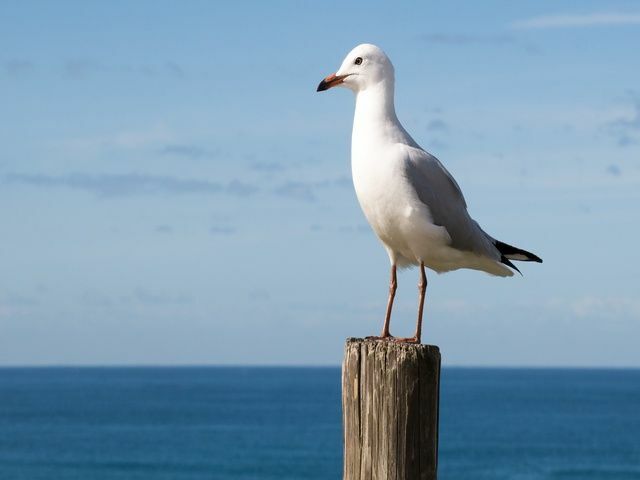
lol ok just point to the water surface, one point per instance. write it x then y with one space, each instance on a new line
284 423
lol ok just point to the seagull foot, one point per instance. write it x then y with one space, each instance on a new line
406 340
388 338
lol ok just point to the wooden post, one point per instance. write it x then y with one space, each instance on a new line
390 394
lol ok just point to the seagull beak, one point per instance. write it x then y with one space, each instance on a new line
331 81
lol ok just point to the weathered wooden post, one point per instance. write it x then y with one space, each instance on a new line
390 395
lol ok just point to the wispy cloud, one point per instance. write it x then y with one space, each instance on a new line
147 297
578 20
631 121
351 229
437 125
297 190
194 152
12 305
240 189
163 229
95 298
151 137
174 69
267 167
466 39
18 67
470 40
258 294
222 230
626 127
139 296
79 68
17 300
307 191
606 307
113 185
614 170
342 229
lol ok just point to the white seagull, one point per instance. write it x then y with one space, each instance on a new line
411 201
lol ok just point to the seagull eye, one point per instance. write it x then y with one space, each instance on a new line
358 61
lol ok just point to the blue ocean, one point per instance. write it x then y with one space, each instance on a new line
284 423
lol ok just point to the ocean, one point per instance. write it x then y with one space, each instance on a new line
242 423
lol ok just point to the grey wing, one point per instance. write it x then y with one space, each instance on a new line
438 190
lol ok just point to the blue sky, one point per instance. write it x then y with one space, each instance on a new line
173 190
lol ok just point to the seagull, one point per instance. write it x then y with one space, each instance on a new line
413 204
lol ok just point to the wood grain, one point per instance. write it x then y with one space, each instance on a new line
390 394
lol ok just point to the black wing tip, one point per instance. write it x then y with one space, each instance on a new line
505 250
509 263
532 257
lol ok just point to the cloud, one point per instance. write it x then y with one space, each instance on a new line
342 229
174 69
626 128
614 170
163 229
578 21
632 121
351 229
94 298
150 137
466 39
79 68
267 167
611 307
18 68
297 190
17 300
240 189
222 230
625 140
152 70
13 305
437 125
147 297
438 144
307 191
139 296
114 185
258 294
342 182
189 151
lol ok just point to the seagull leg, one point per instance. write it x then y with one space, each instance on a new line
393 285
422 288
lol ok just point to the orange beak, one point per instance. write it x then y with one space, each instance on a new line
331 81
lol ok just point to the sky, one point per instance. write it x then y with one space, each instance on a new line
174 191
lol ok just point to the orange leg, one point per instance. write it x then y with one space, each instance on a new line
422 289
393 286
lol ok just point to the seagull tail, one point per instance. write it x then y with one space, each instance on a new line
509 252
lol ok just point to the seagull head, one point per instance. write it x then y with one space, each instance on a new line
363 67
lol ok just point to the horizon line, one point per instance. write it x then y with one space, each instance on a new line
299 366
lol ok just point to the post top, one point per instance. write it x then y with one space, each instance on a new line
373 343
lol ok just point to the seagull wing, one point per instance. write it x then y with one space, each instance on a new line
440 193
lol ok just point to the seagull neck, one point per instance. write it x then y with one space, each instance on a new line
375 105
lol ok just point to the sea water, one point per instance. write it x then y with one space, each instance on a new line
285 423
